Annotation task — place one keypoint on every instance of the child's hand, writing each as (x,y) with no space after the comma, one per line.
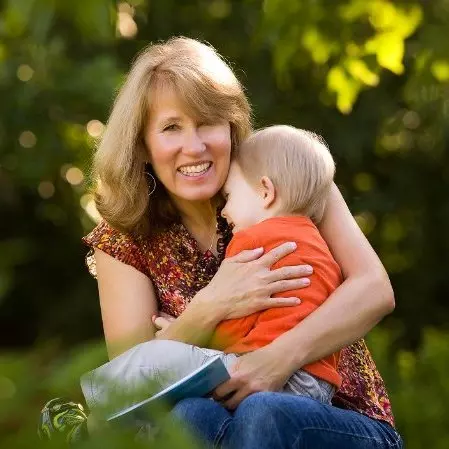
(161,322)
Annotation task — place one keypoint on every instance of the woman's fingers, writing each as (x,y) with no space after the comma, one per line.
(280,302)
(247,255)
(292,272)
(224,391)
(276,254)
(253,282)
(233,402)
(287,285)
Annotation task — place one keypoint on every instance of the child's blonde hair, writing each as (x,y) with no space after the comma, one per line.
(298,163)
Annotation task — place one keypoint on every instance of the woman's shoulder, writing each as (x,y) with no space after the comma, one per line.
(133,249)
(109,239)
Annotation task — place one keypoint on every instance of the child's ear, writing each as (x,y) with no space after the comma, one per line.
(268,191)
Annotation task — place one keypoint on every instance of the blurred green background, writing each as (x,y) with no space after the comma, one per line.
(371,76)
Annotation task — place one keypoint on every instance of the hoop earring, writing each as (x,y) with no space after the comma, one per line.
(152,188)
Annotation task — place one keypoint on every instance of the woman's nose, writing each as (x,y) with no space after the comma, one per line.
(194,145)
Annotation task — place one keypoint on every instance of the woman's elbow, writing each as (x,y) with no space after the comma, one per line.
(384,293)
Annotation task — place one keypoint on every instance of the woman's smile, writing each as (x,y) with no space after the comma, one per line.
(195,170)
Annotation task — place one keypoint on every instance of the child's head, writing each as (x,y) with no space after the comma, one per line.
(279,170)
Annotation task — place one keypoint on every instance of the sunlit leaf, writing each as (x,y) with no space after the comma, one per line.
(319,48)
(359,70)
(345,87)
(389,50)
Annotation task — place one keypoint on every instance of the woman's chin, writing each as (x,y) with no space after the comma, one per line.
(203,193)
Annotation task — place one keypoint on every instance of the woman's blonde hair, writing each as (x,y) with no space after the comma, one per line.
(209,89)
(298,163)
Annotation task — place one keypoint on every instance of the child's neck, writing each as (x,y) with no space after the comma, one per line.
(273,213)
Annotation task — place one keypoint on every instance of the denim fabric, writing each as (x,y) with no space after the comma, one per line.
(284,421)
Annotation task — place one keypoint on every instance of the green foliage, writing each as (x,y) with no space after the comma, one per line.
(28,380)
(351,41)
(371,76)
(418,386)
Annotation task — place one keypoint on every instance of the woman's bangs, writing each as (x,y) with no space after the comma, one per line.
(200,100)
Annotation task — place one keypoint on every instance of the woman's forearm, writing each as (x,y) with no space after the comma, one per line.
(355,307)
(196,323)
(347,315)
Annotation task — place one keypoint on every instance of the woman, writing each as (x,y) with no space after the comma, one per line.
(163,158)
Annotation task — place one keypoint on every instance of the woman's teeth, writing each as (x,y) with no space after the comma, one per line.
(195,170)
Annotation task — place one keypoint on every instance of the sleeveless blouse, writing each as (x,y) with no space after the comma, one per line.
(178,269)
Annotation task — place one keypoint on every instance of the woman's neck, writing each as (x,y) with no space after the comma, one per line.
(196,213)
(199,217)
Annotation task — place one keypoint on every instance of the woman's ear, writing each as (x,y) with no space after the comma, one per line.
(268,191)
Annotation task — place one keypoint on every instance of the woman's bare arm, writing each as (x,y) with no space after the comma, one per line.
(356,306)
(127,301)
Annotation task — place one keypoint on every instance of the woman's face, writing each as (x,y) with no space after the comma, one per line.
(190,158)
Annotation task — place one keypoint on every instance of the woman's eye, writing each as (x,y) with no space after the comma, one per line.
(171,127)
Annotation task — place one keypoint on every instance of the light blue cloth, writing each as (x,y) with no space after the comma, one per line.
(163,362)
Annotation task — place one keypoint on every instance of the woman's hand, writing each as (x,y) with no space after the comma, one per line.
(244,283)
(260,370)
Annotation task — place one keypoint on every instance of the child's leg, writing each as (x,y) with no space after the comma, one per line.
(304,384)
(160,361)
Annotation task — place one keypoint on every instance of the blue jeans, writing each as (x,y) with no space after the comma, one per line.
(283,421)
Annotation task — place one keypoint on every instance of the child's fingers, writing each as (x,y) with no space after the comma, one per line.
(161,323)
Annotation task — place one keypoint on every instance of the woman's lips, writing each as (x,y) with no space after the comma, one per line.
(195,170)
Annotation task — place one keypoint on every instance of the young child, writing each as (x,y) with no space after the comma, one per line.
(276,190)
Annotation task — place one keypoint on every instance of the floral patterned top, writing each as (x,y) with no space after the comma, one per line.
(179,269)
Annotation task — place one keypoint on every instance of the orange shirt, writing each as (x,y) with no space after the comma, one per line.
(259,329)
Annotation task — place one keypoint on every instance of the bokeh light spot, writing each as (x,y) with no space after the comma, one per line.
(363,182)
(366,222)
(46,189)
(25,73)
(126,26)
(95,128)
(27,139)
(74,176)
(411,120)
